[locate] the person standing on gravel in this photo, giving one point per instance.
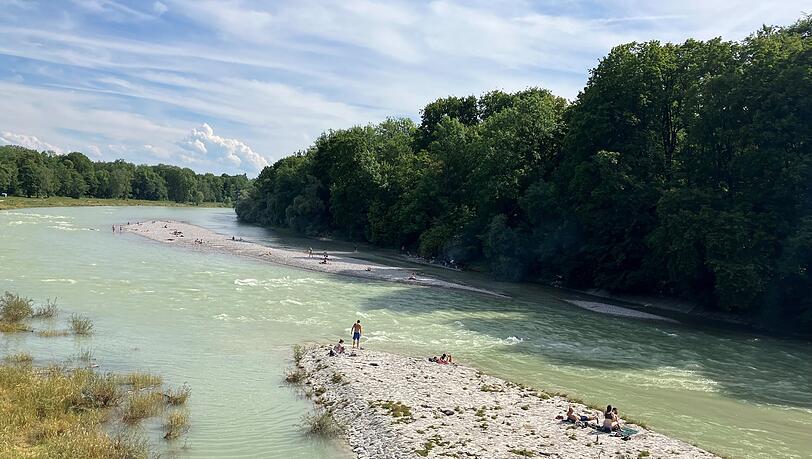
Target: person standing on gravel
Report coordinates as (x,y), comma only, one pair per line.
(356,334)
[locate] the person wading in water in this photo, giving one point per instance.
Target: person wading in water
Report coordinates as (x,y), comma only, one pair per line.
(356,334)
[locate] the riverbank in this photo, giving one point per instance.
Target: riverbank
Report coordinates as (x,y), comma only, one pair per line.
(392,406)
(70,408)
(18,202)
(187,236)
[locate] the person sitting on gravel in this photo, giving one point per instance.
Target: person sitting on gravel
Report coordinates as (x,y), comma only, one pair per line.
(611,421)
(338,348)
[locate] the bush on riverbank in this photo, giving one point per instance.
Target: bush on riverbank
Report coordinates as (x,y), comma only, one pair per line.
(323,424)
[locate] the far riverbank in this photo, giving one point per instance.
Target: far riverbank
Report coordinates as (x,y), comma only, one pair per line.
(19,202)
(201,239)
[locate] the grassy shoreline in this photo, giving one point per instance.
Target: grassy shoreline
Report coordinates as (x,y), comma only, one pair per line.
(71,408)
(18,202)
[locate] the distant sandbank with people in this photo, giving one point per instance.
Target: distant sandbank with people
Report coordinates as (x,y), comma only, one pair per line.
(389,405)
(201,239)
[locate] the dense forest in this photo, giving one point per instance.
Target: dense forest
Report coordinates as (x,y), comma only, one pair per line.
(680,169)
(25,172)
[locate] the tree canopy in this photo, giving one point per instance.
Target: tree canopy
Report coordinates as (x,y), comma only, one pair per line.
(680,169)
(30,173)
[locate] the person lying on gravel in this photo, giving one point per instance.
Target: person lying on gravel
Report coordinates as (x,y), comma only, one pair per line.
(445,359)
(572,417)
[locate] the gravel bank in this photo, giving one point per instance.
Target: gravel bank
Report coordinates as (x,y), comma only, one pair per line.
(402,407)
(184,235)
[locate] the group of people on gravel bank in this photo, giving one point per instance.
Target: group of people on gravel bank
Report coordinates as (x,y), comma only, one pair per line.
(611,420)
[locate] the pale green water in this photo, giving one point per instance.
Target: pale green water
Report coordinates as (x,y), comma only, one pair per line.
(225,325)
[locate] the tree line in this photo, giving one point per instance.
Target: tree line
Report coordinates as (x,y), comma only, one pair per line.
(25,172)
(680,169)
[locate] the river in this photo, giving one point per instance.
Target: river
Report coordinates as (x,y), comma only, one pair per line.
(225,325)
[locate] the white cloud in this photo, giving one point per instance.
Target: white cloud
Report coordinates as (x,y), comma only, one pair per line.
(210,147)
(27,141)
(159,8)
(93,151)
(279,73)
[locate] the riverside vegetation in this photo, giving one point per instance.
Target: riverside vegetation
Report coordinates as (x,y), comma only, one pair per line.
(68,411)
(680,169)
(29,173)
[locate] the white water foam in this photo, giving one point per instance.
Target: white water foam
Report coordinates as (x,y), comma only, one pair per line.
(67,281)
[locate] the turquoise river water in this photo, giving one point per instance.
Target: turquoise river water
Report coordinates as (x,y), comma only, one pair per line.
(225,325)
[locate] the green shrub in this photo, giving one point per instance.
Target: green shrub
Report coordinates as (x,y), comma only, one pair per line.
(322,423)
(21,358)
(14,308)
(178,396)
(142,405)
(102,391)
(141,380)
(80,325)
(47,311)
(298,353)
(296,376)
(176,424)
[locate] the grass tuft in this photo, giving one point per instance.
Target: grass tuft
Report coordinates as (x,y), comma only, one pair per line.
(52,333)
(8,327)
(101,392)
(298,353)
(178,396)
(395,409)
(85,355)
(296,376)
(15,308)
(45,413)
(322,423)
(141,380)
(176,424)
(20,358)
(491,388)
(80,325)
(47,311)
(142,405)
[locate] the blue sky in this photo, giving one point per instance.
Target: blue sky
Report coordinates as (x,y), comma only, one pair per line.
(231,86)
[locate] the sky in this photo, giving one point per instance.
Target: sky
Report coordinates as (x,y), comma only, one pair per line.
(231,86)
